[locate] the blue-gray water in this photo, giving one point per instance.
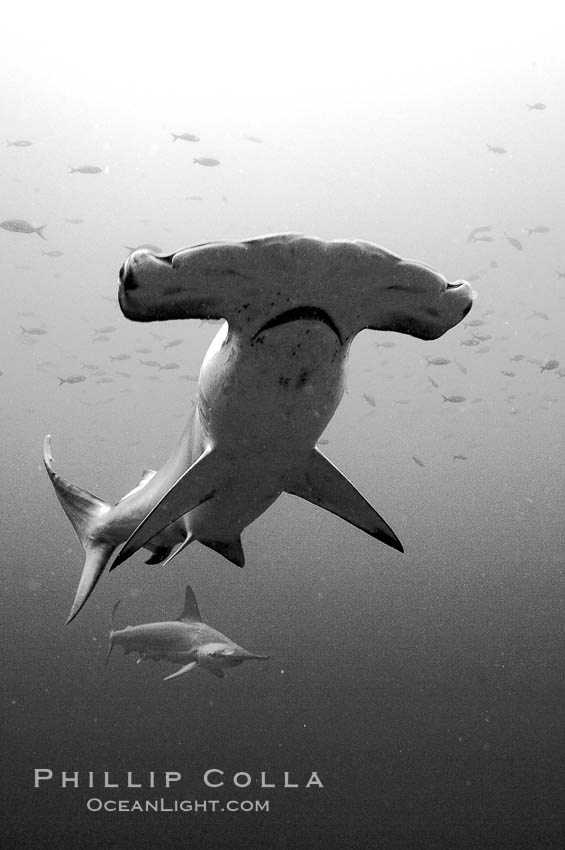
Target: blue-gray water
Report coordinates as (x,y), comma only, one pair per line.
(424,689)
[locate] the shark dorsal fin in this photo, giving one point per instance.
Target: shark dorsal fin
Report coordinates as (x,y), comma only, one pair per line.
(190,612)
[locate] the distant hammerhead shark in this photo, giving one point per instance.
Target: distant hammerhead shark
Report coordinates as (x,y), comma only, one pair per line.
(269,385)
(186,640)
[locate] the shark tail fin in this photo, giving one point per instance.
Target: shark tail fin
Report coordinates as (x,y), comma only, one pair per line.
(112,630)
(324,485)
(85,512)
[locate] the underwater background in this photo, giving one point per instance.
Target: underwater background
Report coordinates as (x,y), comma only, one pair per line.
(424,689)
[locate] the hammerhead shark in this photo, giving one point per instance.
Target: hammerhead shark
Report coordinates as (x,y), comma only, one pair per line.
(268,386)
(186,640)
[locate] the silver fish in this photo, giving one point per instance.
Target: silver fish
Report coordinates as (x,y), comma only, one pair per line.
(86,169)
(206,160)
(18,225)
(185,137)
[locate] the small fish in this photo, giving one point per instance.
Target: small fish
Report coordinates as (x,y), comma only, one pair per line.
(496,149)
(86,169)
(33,331)
(206,160)
(18,225)
(551,364)
(52,253)
(146,246)
(540,314)
(72,379)
(256,139)
(538,106)
(185,137)
(74,221)
(150,363)
(151,378)
(369,398)
(418,461)
(143,350)
(19,143)
(483,239)
(482,229)
(483,337)
(108,329)
(386,344)
(102,338)
(508,373)
(540,228)
(438,361)
(474,323)
(190,378)
(90,366)
(194,198)
(323,442)
(454,399)
(514,242)
(120,357)
(517,357)
(459,457)
(460,367)
(432,382)
(105,380)
(169,366)
(172,343)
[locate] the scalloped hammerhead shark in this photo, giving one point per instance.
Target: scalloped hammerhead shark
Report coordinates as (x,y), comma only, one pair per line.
(269,385)
(186,640)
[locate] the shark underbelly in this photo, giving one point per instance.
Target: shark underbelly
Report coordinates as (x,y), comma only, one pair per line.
(262,405)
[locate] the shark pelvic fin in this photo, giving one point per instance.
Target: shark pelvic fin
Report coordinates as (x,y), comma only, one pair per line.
(186,669)
(188,539)
(196,485)
(232,549)
(324,485)
(190,613)
(85,512)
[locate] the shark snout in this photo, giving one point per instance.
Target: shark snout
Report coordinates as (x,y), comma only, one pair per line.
(127,277)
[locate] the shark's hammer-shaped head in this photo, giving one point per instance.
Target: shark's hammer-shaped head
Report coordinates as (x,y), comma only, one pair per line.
(221,656)
(270,281)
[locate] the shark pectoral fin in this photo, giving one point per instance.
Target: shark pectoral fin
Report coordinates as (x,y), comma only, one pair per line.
(186,669)
(232,550)
(324,485)
(216,671)
(195,486)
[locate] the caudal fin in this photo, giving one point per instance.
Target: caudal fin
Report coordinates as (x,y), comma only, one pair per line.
(39,231)
(85,512)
